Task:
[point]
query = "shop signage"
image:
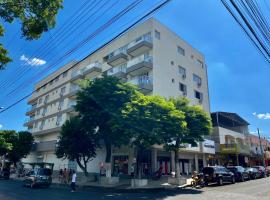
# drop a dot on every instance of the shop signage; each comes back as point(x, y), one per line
point(208, 146)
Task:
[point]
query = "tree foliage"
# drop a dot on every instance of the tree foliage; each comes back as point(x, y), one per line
point(76, 143)
point(36, 17)
point(99, 104)
point(15, 145)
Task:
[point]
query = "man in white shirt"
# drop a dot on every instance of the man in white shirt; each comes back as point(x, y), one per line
point(73, 181)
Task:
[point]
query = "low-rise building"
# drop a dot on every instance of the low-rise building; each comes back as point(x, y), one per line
point(230, 133)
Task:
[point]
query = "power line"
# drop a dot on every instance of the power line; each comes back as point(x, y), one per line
point(155, 9)
point(81, 43)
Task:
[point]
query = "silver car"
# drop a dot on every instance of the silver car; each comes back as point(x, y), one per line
point(38, 177)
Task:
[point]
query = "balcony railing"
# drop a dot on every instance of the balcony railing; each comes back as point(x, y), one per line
point(234, 149)
point(117, 52)
point(91, 66)
point(74, 88)
point(29, 120)
point(147, 38)
point(142, 80)
point(31, 108)
point(139, 59)
point(117, 69)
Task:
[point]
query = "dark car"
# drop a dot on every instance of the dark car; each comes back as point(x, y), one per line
point(5, 173)
point(240, 173)
point(261, 170)
point(217, 174)
point(38, 177)
point(253, 172)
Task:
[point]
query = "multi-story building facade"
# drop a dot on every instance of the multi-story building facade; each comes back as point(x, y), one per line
point(150, 56)
point(259, 149)
point(230, 133)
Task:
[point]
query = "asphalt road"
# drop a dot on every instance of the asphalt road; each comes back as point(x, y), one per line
point(250, 190)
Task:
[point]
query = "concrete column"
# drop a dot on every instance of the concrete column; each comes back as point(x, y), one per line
point(172, 161)
point(204, 160)
point(196, 162)
point(130, 159)
point(189, 167)
point(154, 159)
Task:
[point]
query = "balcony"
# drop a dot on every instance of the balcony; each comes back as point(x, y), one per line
point(29, 122)
point(45, 146)
point(234, 149)
point(144, 83)
point(140, 65)
point(70, 108)
point(140, 45)
point(76, 75)
point(92, 70)
point(118, 71)
point(117, 57)
point(31, 110)
point(73, 91)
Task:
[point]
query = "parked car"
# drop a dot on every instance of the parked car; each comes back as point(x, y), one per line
point(217, 174)
point(267, 171)
point(261, 170)
point(253, 172)
point(38, 177)
point(5, 173)
point(240, 173)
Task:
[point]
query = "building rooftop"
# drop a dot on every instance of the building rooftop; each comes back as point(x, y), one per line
point(227, 119)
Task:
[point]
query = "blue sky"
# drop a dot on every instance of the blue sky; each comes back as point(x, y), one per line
point(238, 74)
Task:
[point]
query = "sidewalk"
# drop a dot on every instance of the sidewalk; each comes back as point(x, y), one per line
point(124, 184)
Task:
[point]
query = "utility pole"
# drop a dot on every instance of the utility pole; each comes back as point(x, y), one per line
point(262, 151)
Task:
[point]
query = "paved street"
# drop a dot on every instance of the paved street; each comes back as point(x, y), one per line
point(251, 190)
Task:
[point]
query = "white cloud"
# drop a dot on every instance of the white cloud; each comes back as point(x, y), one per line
point(1, 126)
point(32, 61)
point(262, 115)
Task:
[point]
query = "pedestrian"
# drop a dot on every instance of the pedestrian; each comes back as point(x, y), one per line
point(65, 176)
point(132, 171)
point(73, 181)
point(61, 176)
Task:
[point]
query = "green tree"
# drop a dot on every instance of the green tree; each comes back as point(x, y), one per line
point(36, 17)
point(76, 143)
point(21, 146)
point(198, 124)
point(150, 118)
point(99, 105)
point(5, 144)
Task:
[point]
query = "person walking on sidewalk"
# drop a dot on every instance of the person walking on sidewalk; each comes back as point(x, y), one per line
point(73, 181)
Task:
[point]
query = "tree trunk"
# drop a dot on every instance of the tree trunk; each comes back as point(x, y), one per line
point(82, 166)
point(108, 147)
point(177, 166)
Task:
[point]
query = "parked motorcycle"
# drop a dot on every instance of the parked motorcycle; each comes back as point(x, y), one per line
point(197, 180)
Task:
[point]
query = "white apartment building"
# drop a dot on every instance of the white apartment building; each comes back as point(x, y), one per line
point(150, 56)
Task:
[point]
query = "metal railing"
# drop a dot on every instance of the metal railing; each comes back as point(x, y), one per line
point(142, 80)
point(120, 68)
point(139, 59)
point(118, 51)
point(147, 37)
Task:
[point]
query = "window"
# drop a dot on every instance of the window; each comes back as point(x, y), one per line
point(180, 50)
point(183, 88)
point(36, 125)
point(182, 71)
point(44, 111)
point(51, 82)
point(42, 124)
point(38, 111)
point(172, 63)
point(58, 120)
point(46, 99)
point(65, 74)
point(199, 63)
point(62, 91)
point(56, 79)
point(157, 34)
point(44, 87)
point(197, 80)
point(172, 80)
point(40, 100)
point(61, 103)
point(198, 95)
